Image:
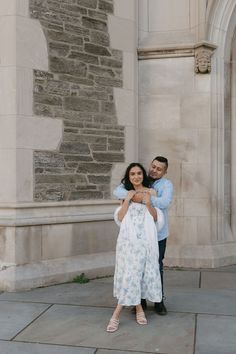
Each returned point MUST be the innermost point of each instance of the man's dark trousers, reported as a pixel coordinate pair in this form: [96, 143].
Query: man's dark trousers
[162, 249]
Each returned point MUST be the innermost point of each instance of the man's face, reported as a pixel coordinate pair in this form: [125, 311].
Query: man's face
[157, 169]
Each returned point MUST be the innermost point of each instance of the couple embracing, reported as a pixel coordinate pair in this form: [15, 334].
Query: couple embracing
[141, 244]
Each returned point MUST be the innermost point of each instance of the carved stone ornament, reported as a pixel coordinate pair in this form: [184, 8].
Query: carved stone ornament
[203, 53]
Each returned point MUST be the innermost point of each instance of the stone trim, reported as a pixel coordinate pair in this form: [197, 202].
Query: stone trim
[28, 214]
[188, 50]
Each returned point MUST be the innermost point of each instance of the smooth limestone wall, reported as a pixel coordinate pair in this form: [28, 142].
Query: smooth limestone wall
[44, 243]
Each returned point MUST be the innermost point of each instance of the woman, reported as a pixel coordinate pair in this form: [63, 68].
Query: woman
[137, 269]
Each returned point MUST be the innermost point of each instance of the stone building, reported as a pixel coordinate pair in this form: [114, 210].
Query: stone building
[87, 86]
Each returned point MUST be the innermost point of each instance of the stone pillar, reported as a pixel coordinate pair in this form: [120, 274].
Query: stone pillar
[179, 118]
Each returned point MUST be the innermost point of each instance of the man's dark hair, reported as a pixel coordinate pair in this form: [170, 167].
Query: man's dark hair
[126, 182]
[162, 159]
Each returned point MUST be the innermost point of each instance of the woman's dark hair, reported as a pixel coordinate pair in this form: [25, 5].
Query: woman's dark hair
[126, 182]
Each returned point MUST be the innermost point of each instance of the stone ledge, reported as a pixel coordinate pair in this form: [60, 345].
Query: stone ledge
[201, 256]
[173, 51]
[28, 276]
[28, 214]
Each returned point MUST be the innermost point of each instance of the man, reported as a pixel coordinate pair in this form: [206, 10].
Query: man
[164, 189]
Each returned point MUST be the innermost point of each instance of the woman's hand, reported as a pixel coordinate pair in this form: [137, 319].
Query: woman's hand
[130, 195]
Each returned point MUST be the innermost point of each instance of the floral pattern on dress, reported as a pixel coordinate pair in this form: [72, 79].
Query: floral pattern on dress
[137, 268]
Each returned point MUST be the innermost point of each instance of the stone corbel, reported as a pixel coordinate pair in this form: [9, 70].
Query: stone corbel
[202, 53]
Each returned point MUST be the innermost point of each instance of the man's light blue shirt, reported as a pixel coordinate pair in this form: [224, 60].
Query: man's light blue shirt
[164, 189]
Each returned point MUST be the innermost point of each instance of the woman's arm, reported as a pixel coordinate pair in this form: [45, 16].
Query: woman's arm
[125, 205]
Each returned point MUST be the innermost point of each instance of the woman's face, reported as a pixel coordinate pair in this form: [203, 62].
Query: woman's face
[136, 176]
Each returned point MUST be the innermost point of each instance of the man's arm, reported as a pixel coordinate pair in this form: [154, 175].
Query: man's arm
[164, 201]
[120, 192]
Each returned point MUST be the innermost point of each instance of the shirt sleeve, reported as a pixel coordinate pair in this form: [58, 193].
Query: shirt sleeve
[120, 192]
[165, 199]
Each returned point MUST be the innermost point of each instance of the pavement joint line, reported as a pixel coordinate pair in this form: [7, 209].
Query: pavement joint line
[200, 280]
[12, 339]
[195, 334]
[111, 307]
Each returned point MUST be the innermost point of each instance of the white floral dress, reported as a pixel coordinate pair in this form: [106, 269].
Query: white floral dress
[137, 268]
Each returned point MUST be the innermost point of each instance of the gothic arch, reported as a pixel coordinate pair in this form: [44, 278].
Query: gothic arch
[221, 29]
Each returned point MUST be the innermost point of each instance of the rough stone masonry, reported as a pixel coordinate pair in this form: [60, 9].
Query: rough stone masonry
[83, 69]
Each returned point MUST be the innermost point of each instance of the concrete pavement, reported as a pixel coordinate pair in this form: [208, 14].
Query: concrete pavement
[71, 318]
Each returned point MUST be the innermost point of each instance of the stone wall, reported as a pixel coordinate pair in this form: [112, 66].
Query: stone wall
[83, 69]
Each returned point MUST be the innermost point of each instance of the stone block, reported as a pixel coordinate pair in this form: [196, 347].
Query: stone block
[78, 239]
[61, 65]
[125, 106]
[88, 3]
[108, 107]
[47, 99]
[100, 38]
[197, 206]
[196, 180]
[35, 133]
[93, 167]
[105, 6]
[78, 30]
[75, 147]
[58, 49]
[113, 63]
[7, 90]
[67, 179]
[126, 9]
[130, 69]
[103, 72]
[108, 157]
[96, 49]
[105, 81]
[86, 195]
[44, 158]
[31, 46]
[122, 33]
[97, 179]
[80, 104]
[76, 79]
[65, 37]
[28, 244]
[169, 76]
[94, 24]
[86, 58]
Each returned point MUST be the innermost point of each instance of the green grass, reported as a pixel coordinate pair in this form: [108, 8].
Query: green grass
[81, 279]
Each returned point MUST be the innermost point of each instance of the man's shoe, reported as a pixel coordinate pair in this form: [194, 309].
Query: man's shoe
[160, 308]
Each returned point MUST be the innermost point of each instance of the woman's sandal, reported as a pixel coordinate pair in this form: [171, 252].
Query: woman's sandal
[140, 318]
[113, 325]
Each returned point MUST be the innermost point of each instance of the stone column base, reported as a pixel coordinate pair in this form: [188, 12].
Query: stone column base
[201, 256]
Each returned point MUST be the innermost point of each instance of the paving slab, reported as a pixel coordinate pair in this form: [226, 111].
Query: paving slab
[16, 316]
[85, 326]
[183, 279]
[112, 351]
[218, 280]
[92, 293]
[220, 302]
[35, 348]
[216, 335]
[228, 269]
